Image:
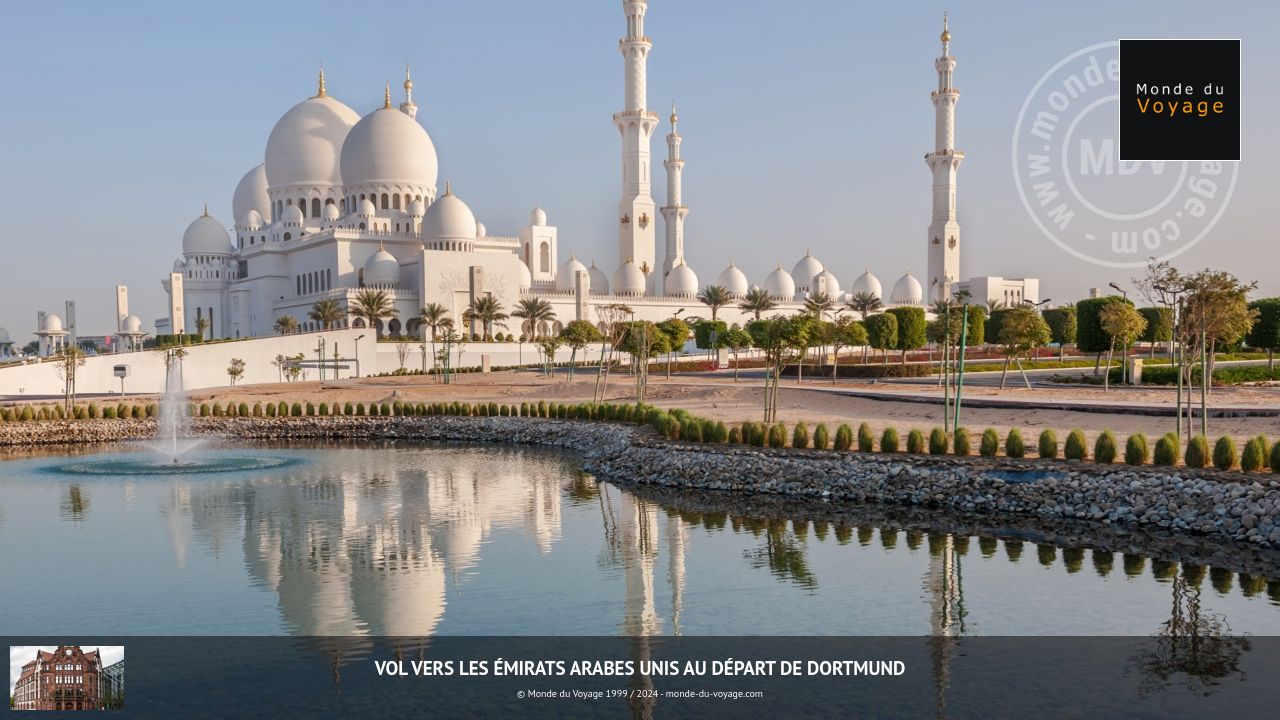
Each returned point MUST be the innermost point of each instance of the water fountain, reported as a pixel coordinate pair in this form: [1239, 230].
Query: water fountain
[172, 431]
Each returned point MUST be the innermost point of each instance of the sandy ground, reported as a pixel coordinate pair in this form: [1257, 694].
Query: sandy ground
[812, 401]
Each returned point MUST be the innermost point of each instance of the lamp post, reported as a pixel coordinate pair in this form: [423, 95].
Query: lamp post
[358, 339]
[1176, 360]
[1124, 351]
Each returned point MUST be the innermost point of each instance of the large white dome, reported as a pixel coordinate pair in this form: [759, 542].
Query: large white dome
[599, 281]
[868, 283]
[449, 218]
[568, 274]
[389, 148]
[779, 285]
[628, 280]
[206, 236]
[526, 277]
[381, 269]
[805, 270]
[251, 194]
[682, 282]
[305, 145]
[733, 280]
[907, 291]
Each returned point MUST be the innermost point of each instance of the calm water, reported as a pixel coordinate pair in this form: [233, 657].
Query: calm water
[461, 540]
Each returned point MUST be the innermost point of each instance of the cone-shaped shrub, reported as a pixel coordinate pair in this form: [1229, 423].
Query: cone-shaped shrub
[231, 410]
[139, 412]
[866, 439]
[1254, 456]
[271, 409]
[989, 446]
[778, 436]
[889, 441]
[1014, 446]
[1197, 452]
[1265, 444]
[310, 408]
[1136, 450]
[1274, 459]
[1047, 447]
[735, 435]
[694, 432]
[386, 410]
[1104, 450]
[821, 437]
[757, 434]
[109, 413]
[1166, 452]
[800, 436]
[722, 433]
[1076, 448]
[94, 411]
[961, 444]
[282, 409]
[1224, 453]
[937, 441]
[844, 437]
[323, 409]
[915, 442]
[348, 408]
[296, 410]
[204, 410]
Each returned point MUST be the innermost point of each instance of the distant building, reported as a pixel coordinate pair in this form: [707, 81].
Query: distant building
[66, 679]
[111, 686]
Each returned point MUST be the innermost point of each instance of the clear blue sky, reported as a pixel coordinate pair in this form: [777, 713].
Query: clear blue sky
[804, 126]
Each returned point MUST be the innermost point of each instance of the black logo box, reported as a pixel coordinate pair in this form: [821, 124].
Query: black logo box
[1187, 68]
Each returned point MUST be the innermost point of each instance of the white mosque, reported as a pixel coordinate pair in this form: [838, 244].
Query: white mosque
[343, 202]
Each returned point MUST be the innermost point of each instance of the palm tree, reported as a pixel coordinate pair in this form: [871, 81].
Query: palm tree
[373, 306]
[533, 312]
[202, 327]
[994, 304]
[432, 317]
[818, 305]
[864, 302]
[714, 297]
[286, 324]
[757, 302]
[326, 312]
[488, 312]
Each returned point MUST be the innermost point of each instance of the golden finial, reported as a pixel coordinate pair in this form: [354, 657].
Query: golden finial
[674, 118]
[408, 81]
[320, 92]
[946, 33]
[386, 96]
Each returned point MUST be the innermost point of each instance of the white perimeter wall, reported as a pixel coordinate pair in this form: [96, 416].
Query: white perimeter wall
[500, 355]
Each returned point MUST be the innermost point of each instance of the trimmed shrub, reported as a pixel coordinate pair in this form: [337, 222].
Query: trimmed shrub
[937, 441]
[1014, 446]
[1136, 450]
[271, 409]
[757, 434]
[989, 446]
[693, 433]
[218, 410]
[889, 440]
[542, 409]
[231, 410]
[282, 409]
[1047, 447]
[1224, 453]
[386, 410]
[108, 413]
[1166, 452]
[360, 408]
[257, 409]
[721, 433]
[735, 435]
[800, 436]
[296, 409]
[866, 439]
[1254, 457]
[1274, 459]
[123, 411]
[311, 409]
[244, 409]
[139, 412]
[1076, 448]
[844, 437]
[153, 410]
[322, 409]
[821, 437]
[1104, 449]
[1266, 449]
[960, 443]
[204, 410]
[94, 411]
[915, 442]
[1197, 452]
[348, 409]
[778, 436]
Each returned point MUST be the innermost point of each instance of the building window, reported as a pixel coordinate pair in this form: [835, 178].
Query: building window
[315, 207]
[544, 258]
[385, 202]
[395, 202]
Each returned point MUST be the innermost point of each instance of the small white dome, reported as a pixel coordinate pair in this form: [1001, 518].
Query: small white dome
[907, 291]
[292, 215]
[206, 236]
[833, 284]
[417, 208]
[868, 283]
[387, 147]
[251, 194]
[305, 144]
[4, 335]
[538, 217]
[526, 277]
[367, 208]
[331, 212]
[449, 218]
[251, 220]
[733, 280]
[133, 324]
[682, 282]
[599, 281]
[805, 270]
[52, 324]
[568, 274]
[628, 280]
[381, 269]
[481, 230]
[179, 264]
[779, 285]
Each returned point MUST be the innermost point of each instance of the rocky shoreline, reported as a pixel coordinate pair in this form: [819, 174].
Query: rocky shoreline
[1229, 508]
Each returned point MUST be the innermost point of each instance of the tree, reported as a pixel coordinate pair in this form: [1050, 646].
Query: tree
[1216, 314]
[818, 305]
[487, 311]
[532, 312]
[1265, 333]
[882, 332]
[977, 332]
[714, 297]
[432, 316]
[1159, 326]
[994, 304]
[1062, 326]
[202, 326]
[235, 370]
[757, 302]
[677, 332]
[374, 306]
[548, 346]
[326, 313]
[286, 324]
[1123, 323]
[779, 338]
[402, 352]
[845, 332]
[706, 333]
[577, 335]
[69, 362]
[1090, 337]
[864, 302]
[736, 340]
[611, 317]
[912, 329]
[1022, 332]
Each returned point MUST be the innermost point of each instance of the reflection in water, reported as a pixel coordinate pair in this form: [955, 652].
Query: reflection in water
[76, 504]
[1193, 647]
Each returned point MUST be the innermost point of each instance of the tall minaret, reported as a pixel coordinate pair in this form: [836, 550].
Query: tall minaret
[944, 161]
[636, 221]
[674, 212]
[407, 107]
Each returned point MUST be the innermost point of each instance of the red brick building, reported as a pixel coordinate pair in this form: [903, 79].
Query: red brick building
[65, 679]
